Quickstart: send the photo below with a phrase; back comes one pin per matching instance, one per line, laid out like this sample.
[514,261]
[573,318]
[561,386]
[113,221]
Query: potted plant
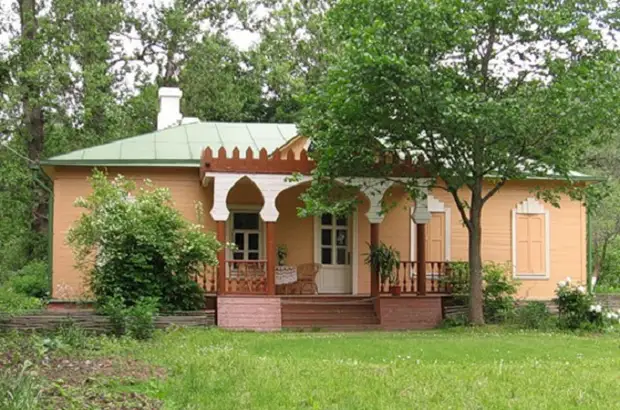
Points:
[385,260]
[282,252]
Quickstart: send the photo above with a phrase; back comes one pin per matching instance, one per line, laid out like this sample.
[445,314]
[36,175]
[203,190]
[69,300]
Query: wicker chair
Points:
[306,278]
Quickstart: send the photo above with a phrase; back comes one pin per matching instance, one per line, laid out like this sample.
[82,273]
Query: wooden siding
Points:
[567,225]
[70,183]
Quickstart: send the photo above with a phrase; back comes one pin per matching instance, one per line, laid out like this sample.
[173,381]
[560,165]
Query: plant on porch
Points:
[133,244]
[385,260]
[481,92]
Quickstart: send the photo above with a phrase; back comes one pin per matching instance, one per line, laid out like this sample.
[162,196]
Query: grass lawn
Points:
[447,369]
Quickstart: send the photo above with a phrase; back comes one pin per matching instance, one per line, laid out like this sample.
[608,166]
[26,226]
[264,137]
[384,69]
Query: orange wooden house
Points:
[241,175]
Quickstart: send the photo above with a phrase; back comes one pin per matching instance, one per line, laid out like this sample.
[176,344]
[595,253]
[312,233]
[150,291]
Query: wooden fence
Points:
[89,320]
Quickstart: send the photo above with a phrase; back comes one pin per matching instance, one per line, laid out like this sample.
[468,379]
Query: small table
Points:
[286,275]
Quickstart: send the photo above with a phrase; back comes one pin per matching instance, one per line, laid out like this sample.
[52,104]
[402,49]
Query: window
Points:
[334,240]
[246,235]
[530,240]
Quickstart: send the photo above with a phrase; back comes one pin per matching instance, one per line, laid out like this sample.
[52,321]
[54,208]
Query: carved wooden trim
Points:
[264,164]
[280,163]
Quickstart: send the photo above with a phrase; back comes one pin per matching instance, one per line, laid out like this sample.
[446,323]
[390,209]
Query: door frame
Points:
[354,247]
[229,228]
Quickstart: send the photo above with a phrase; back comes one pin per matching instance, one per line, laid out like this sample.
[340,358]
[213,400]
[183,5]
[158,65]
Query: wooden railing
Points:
[439,278]
[242,277]
[207,279]
[246,277]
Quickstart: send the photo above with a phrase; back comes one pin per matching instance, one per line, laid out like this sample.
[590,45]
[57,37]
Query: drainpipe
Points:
[589,249]
[50,219]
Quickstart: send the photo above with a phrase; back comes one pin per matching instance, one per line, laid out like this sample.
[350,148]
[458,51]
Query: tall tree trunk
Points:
[33,116]
[476,314]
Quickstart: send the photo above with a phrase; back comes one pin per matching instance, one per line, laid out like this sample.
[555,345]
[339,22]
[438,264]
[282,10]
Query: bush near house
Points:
[498,289]
[133,244]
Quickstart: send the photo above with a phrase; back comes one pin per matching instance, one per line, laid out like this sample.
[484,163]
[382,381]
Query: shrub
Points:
[534,315]
[116,311]
[498,289]
[72,335]
[576,308]
[137,321]
[141,318]
[12,301]
[31,280]
[135,244]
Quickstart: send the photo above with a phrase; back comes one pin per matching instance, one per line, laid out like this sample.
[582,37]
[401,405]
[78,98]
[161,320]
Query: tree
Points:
[290,56]
[218,84]
[603,205]
[481,91]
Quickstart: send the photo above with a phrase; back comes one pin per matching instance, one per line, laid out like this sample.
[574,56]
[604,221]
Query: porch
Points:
[254,202]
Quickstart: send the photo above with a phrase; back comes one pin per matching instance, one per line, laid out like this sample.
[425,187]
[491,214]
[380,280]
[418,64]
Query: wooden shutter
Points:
[436,238]
[531,254]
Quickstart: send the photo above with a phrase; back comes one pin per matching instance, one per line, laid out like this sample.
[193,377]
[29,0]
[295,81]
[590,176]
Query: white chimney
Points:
[169,107]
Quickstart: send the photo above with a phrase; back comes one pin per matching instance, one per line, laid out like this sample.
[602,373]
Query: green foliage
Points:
[141,318]
[385,260]
[72,335]
[477,91]
[498,289]
[32,280]
[19,389]
[217,87]
[116,311]
[577,308]
[135,244]
[136,321]
[534,315]
[13,302]
[282,252]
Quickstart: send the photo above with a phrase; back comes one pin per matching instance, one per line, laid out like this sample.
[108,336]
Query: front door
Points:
[334,254]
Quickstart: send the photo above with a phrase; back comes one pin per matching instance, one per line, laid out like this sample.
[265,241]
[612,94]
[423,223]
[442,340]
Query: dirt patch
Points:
[95,383]
[83,371]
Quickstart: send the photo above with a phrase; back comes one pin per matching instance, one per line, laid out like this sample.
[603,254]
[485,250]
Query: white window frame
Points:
[434,206]
[531,206]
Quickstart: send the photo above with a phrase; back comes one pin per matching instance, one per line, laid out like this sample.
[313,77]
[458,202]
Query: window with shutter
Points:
[531,240]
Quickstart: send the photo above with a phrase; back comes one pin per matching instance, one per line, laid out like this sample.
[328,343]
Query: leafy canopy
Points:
[477,88]
[132,243]
[480,92]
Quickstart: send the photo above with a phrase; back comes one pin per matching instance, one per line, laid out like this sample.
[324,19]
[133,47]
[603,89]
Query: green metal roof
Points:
[181,145]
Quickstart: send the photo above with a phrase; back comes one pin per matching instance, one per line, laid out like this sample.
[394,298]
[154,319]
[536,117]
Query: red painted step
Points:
[332,313]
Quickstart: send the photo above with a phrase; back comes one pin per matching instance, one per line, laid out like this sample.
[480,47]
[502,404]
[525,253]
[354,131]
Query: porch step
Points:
[333,313]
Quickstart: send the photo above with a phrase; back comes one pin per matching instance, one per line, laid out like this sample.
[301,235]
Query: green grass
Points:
[459,369]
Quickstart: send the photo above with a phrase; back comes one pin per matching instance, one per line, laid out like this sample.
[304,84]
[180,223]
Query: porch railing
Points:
[440,278]
[242,277]
[246,276]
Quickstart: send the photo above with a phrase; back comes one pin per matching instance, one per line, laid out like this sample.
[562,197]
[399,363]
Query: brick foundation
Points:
[260,313]
[402,313]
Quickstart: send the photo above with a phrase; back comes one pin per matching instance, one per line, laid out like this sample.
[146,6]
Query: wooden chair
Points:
[306,278]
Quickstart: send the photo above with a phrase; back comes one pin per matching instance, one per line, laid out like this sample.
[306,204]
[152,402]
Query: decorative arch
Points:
[270,186]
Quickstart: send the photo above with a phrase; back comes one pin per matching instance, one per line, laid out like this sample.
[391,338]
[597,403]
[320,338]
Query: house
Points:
[241,175]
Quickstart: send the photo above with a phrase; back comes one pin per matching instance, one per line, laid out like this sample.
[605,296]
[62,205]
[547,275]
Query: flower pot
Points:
[395,290]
